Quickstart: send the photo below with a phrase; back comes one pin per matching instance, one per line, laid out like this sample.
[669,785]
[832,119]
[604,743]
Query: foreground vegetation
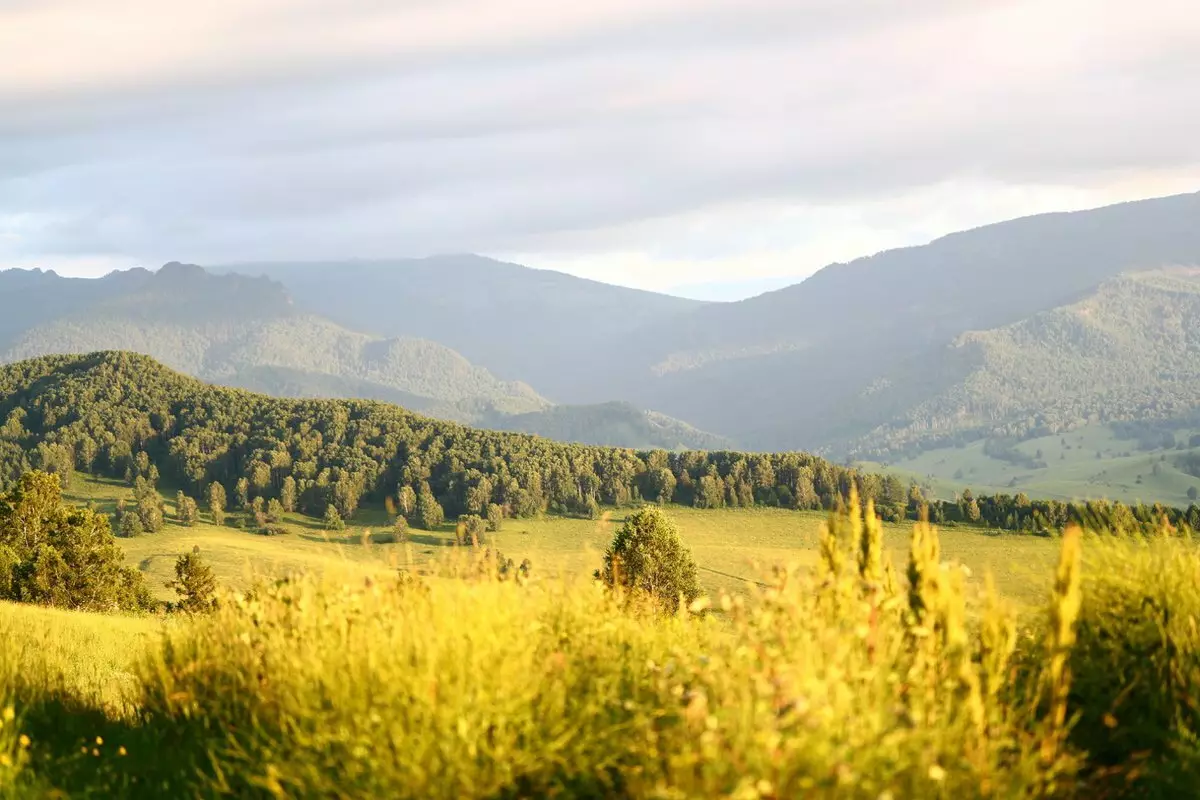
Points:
[860,677]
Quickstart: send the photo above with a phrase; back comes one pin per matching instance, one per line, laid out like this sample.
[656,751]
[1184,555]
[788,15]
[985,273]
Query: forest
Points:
[126,416]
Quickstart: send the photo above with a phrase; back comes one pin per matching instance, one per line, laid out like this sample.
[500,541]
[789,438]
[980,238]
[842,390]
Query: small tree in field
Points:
[400,530]
[186,510]
[429,513]
[495,518]
[648,556]
[406,501]
[333,520]
[194,583]
[216,502]
[470,530]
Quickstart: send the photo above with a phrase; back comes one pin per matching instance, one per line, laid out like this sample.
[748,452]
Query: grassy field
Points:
[731,547]
[831,682]
[1089,463]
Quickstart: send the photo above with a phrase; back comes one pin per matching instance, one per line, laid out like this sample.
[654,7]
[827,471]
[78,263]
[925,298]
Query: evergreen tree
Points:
[333,519]
[67,556]
[151,515]
[131,526]
[194,583]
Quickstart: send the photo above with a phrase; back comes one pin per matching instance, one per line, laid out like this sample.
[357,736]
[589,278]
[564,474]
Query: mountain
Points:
[797,367]
[224,327]
[1130,350]
[612,424]
[542,327]
[247,332]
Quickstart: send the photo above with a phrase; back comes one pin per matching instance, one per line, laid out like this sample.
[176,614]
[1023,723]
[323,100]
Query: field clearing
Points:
[1089,463]
[731,546]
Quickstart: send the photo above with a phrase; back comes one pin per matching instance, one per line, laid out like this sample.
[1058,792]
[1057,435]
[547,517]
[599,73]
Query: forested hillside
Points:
[126,416]
[245,331]
[1129,351]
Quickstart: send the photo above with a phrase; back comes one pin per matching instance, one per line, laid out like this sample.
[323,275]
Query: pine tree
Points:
[333,519]
[194,583]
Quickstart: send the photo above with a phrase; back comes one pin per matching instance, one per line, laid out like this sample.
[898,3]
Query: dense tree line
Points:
[126,416]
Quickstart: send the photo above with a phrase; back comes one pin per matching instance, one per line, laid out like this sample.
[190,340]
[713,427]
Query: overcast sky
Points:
[720,145]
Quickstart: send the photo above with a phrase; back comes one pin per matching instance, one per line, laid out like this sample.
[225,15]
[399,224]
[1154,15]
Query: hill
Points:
[791,368]
[1128,351]
[247,332]
[613,424]
[117,414]
[228,326]
[542,327]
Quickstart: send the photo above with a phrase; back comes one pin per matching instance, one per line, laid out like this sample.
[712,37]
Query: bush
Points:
[648,556]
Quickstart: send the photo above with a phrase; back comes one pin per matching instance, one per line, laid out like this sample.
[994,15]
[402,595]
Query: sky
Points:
[715,148]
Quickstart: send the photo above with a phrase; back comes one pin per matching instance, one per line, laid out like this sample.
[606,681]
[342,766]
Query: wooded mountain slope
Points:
[246,332]
[857,348]
[1128,351]
[788,368]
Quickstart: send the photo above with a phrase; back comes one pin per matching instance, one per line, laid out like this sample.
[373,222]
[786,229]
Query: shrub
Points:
[400,530]
[648,556]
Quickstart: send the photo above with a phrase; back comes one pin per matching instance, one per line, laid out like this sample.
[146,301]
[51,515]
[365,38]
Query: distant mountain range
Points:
[545,328]
[1021,328]
[247,332]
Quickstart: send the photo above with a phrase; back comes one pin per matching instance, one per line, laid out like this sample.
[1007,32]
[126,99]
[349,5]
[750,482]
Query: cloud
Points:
[699,141]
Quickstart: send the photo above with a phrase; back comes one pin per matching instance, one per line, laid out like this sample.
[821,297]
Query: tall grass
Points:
[846,681]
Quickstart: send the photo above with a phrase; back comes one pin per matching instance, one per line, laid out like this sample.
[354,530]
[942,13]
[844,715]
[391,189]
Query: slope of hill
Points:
[221,326]
[783,369]
[614,424]
[245,332]
[116,413]
[1128,351]
[542,327]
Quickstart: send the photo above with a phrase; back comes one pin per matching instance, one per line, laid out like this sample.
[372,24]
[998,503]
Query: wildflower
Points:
[937,774]
[121,751]
[24,742]
[100,740]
